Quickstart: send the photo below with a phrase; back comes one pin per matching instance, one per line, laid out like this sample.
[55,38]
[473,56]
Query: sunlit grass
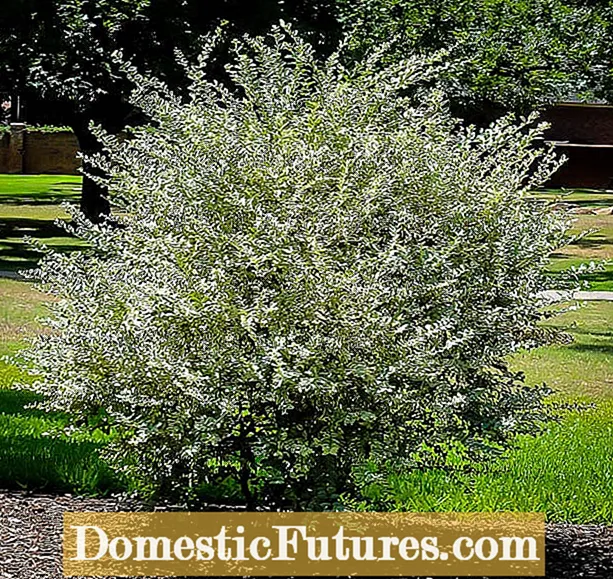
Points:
[566,473]
[582,369]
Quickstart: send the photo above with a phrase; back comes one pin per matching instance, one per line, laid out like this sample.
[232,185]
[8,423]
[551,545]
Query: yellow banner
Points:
[303,544]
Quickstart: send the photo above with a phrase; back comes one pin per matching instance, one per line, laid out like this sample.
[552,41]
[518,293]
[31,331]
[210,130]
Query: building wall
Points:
[586,167]
[583,133]
[4,152]
[580,123]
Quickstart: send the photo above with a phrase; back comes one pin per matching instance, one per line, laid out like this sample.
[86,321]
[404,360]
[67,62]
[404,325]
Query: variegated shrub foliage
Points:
[315,277]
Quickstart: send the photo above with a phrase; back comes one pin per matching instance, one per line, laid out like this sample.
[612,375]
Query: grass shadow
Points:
[40,198]
[592,242]
[16,254]
[596,348]
[38,463]
[16,402]
[39,228]
[598,280]
[578,197]
[39,189]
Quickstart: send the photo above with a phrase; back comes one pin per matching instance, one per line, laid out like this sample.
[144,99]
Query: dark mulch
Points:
[30,538]
[31,527]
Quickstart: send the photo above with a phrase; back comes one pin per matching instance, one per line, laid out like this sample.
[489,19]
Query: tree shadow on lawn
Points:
[593,242]
[600,277]
[38,228]
[59,193]
[587,332]
[15,402]
[585,245]
[579,197]
[53,464]
[15,253]
[596,348]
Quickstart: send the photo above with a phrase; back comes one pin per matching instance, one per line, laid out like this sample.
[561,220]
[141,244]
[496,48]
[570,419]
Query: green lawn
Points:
[29,206]
[583,369]
[39,189]
[597,246]
[566,472]
[35,452]
[581,197]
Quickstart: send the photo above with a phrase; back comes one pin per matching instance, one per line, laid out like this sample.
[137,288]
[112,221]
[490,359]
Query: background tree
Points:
[504,55]
[59,55]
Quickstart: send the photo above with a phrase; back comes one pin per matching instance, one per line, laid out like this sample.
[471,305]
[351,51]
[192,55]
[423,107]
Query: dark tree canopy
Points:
[503,55]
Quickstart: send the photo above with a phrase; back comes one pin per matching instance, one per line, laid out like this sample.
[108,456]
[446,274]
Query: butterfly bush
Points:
[314,276]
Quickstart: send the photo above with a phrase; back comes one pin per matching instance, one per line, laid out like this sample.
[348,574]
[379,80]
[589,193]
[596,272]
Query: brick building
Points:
[584,134]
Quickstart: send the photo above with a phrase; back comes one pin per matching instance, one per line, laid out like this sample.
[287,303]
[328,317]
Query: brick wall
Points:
[51,153]
[33,152]
[4,152]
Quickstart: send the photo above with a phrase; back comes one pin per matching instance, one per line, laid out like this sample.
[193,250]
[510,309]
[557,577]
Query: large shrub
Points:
[314,278]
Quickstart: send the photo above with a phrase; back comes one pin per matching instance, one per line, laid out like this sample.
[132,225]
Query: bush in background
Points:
[315,279]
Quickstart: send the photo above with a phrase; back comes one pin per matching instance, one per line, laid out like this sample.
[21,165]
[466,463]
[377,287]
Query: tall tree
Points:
[63,51]
[501,54]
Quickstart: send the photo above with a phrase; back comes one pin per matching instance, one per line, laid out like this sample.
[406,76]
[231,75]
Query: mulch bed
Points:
[30,538]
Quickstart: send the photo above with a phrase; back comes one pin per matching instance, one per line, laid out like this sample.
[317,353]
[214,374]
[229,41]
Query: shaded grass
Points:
[39,189]
[36,450]
[16,254]
[36,453]
[581,197]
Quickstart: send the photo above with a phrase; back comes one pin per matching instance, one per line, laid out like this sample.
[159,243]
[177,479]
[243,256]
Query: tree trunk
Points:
[94,197]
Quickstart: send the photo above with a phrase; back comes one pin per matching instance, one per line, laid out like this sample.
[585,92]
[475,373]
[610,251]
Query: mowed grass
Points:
[39,189]
[566,473]
[583,369]
[30,206]
[35,450]
[597,246]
